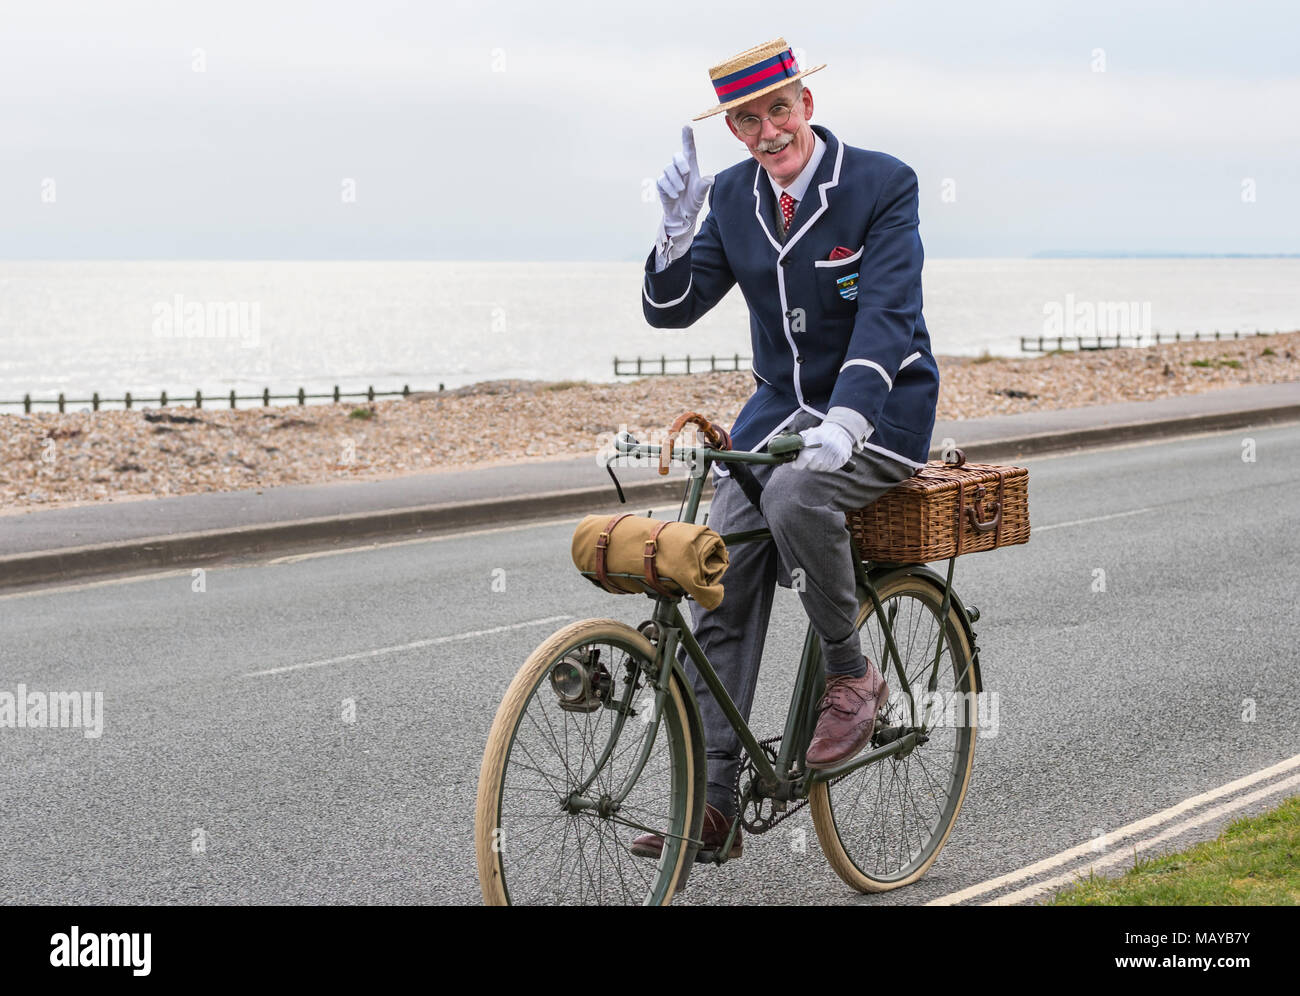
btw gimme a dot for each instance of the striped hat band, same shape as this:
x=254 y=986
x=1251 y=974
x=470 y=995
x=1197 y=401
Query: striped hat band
x=754 y=72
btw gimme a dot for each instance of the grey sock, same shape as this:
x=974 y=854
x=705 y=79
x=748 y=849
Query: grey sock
x=856 y=668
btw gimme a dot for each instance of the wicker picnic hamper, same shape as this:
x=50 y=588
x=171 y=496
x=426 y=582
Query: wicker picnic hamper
x=945 y=510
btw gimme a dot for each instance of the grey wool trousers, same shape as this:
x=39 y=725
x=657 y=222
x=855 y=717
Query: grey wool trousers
x=804 y=509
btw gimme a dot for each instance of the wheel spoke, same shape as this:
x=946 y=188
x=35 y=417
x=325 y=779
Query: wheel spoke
x=576 y=855
x=886 y=821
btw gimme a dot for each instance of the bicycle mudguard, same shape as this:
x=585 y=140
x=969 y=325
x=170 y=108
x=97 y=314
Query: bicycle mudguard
x=879 y=575
x=700 y=764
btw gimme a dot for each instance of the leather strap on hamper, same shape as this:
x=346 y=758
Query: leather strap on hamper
x=602 y=545
x=652 y=575
x=651 y=548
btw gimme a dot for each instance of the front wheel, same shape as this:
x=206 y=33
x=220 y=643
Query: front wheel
x=576 y=722
x=882 y=826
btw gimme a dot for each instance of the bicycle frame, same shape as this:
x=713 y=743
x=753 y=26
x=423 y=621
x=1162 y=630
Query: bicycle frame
x=776 y=780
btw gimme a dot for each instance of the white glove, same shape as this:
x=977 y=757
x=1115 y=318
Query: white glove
x=834 y=452
x=682 y=190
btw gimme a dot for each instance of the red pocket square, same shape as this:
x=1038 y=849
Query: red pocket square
x=839 y=252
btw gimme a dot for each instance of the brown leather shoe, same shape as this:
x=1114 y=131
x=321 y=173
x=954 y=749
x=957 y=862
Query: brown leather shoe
x=848 y=717
x=713 y=833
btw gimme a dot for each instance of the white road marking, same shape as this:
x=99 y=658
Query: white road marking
x=434 y=641
x=1029 y=892
x=1096 y=518
x=82 y=586
x=1132 y=829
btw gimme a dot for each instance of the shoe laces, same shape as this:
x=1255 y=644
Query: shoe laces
x=841 y=696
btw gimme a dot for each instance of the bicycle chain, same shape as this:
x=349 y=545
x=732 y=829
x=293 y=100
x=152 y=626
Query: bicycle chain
x=776 y=818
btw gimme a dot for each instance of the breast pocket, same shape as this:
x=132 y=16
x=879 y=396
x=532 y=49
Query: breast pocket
x=838 y=283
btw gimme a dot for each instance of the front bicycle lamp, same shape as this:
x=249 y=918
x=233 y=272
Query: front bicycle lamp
x=581 y=682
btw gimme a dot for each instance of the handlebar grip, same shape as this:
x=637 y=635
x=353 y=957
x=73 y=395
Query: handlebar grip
x=786 y=442
x=792 y=442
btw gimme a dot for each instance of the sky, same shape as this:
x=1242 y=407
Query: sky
x=520 y=131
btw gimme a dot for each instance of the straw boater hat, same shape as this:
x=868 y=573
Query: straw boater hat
x=762 y=68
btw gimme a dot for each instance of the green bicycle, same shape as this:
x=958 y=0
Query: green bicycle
x=599 y=738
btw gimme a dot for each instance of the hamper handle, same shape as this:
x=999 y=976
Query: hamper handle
x=987 y=524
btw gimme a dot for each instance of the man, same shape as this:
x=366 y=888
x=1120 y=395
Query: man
x=822 y=239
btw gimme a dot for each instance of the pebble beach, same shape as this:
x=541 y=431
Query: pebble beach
x=48 y=459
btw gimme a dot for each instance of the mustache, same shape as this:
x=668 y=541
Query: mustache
x=773 y=144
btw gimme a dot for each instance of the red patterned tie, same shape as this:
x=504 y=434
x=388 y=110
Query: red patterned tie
x=787 y=210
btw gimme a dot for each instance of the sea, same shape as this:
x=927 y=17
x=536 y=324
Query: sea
x=145 y=327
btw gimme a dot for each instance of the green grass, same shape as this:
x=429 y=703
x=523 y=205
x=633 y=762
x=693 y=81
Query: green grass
x=1269 y=351
x=361 y=413
x=564 y=385
x=985 y=357
x=1220 y=361
x=1254 y=862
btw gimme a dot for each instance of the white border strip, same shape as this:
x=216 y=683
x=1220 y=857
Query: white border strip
x=1070 y=877
x=1131 y=829
x=677 y=300
x=889 y=382
x=840 y=262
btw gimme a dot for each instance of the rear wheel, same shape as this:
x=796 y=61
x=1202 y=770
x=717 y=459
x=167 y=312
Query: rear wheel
x=883 y=825
x=548 y=832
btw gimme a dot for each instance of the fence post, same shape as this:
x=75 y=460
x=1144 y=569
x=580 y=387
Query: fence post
x=232 y=397
x=127 y=400
x=266 y=397
x=198 y=398
x=94 y=401
x=370 y=394
x=736 y=361
x=302 y=395
x=663 y=364
x=688 y=362
x=61 y=402
x=638 y=366
x=406 y=390
x=162 y=399
x=336 y=394
x=27 y=403
x=713 y=363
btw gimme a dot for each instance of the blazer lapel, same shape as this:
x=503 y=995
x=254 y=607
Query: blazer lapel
x=765 y=206
x=815 y=201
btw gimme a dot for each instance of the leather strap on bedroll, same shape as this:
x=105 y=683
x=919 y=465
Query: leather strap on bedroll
x=685 y=559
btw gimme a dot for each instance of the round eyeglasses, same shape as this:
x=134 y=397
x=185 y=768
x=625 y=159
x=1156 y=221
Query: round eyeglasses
x=751 y=124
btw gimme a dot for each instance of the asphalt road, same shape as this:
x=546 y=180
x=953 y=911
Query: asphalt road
x=212 y=783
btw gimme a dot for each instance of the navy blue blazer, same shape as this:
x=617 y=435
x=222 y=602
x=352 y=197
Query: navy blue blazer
x=824 y=332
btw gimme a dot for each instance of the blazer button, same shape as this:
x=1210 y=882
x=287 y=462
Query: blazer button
x=785 y=260
x=798 y=359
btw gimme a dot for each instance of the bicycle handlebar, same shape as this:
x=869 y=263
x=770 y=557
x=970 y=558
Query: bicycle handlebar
x=782 y=448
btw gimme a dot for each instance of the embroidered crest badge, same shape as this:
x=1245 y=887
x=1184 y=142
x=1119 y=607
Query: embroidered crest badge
x=848 y=286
